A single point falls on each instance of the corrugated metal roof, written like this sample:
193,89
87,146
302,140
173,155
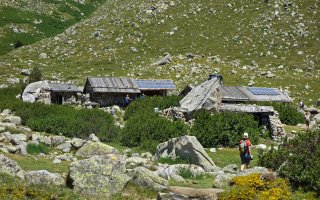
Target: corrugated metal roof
155,84
113,85
63,87
238,93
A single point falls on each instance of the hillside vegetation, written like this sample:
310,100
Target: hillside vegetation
272,44
26,22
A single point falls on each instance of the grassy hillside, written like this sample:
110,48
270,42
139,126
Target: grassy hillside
26,22
245,40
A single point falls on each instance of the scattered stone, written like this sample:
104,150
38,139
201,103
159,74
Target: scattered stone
99,175
56,140
13,119
43,177
232,169
95,148
133,162
222,180
43,56
148,179
186,193
169,171
56,161
45,140
164,60
13,81
213,150
25,72
93,138
77,143
188,148
10,167
147,155
64,145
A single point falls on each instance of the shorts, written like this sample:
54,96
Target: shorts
245,159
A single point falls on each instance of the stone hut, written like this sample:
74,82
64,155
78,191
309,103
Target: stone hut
107,91
60,93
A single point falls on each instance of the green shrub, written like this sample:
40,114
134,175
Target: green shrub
149,103
149,129
57,119
35,149
35,75
224,128
297,159
288,113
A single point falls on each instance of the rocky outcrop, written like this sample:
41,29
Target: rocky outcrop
95,148
148,179
10,167
172,171
223,179
188,148
33,91
44,177
205,96
99,175
186,193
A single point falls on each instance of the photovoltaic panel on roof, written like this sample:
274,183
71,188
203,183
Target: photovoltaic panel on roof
262,91
155,84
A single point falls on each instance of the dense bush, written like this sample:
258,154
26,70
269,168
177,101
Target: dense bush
224,128
145,128
60,119
35,75
255,187
288,113
149,103
297,159
35,149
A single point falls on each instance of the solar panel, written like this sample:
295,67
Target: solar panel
262,91
153,84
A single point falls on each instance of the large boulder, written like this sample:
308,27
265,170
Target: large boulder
186,193
10,167
99,175
148,179
188,148
94,149
32,91
56,140
13,119
44,177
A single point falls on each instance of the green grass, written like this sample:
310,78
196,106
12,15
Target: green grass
205,181
228,156
289,128
35,163
35,149
54,21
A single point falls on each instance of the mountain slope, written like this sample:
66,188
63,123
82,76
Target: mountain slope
246,41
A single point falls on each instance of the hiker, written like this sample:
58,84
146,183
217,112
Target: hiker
245,151
307,118
300,104
127,100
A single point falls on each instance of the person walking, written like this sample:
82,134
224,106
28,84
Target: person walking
245,151
307,118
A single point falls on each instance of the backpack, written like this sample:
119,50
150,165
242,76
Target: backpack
243,148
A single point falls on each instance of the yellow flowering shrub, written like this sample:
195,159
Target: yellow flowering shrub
254,187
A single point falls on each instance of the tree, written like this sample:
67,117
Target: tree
35,75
